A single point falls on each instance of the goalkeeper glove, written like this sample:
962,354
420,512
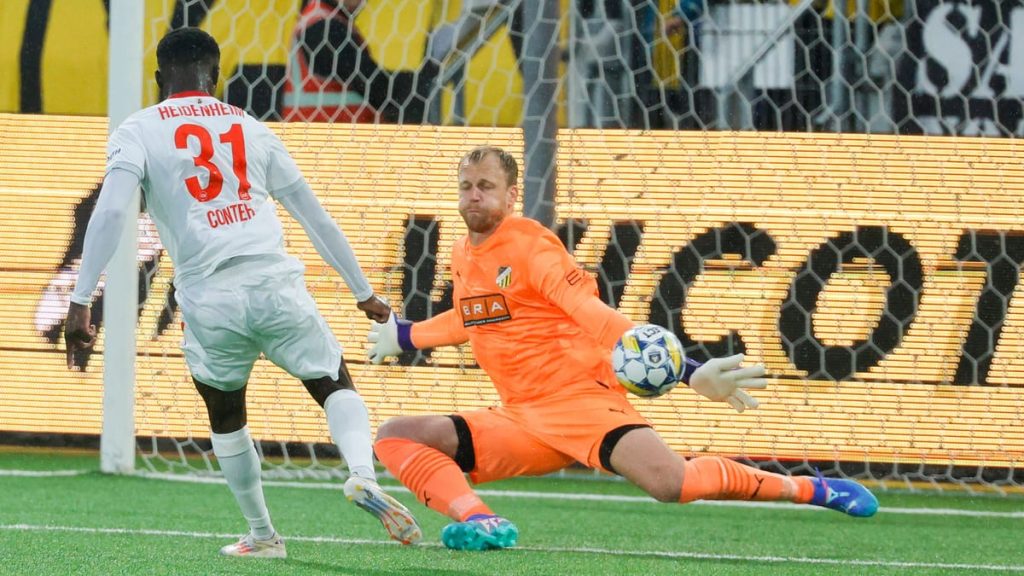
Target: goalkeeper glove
390,338
722,379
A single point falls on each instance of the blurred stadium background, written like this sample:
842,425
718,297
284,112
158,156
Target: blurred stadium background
831,188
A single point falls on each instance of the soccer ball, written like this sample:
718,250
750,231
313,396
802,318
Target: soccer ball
648,360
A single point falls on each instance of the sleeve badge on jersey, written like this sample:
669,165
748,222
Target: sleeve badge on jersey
504,276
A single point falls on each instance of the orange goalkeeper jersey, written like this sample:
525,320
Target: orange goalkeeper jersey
533,316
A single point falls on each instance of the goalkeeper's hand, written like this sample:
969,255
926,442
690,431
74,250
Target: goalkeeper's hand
722,379
387,339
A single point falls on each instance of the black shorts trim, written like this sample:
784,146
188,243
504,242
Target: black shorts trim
465,457
609,442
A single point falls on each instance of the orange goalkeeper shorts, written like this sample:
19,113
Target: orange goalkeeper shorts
545,436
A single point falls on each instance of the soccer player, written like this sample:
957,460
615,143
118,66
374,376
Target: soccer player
542,334
209,172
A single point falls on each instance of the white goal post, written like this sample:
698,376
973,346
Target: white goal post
117,440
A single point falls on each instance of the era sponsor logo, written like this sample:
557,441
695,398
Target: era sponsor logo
484,310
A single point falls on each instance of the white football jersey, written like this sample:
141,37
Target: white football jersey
208,172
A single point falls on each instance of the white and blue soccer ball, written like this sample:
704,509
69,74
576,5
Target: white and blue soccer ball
648,360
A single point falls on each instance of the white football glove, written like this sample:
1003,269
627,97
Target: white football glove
384,338
723,379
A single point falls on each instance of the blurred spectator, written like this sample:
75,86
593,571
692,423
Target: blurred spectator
332,77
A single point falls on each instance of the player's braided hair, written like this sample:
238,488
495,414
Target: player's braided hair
186,46
507,161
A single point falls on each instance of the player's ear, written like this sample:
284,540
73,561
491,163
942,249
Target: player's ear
513,195
160,85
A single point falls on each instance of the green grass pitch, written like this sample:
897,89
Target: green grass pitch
87,523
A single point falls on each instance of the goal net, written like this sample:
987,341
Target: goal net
804,184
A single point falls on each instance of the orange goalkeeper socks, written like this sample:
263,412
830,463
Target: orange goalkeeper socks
433,477
716,478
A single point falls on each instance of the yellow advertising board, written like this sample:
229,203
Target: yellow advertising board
877,278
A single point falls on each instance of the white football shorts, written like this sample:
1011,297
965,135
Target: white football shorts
256,304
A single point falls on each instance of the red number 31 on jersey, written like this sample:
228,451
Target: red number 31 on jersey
204,160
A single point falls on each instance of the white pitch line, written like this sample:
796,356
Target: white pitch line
605,497
544,549
542,495
42,473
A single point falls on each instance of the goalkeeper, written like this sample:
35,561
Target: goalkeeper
544,337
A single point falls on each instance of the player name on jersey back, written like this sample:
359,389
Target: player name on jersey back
198,110
240,212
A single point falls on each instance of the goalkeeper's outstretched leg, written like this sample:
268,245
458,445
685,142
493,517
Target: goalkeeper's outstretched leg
642,457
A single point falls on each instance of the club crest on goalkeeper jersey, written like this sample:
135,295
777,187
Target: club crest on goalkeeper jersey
208,172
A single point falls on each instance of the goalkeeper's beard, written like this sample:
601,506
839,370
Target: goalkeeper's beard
481,221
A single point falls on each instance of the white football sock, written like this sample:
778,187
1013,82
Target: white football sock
241,467
349,423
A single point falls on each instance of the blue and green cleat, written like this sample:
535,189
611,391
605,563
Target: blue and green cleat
480,532
846,496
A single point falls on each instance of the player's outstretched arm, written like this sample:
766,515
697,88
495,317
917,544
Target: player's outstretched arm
398,335
101,239
332,245
722,379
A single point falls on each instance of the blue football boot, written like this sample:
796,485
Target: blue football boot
846,496
480,532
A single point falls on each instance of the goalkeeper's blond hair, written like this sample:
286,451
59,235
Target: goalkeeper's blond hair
507,161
